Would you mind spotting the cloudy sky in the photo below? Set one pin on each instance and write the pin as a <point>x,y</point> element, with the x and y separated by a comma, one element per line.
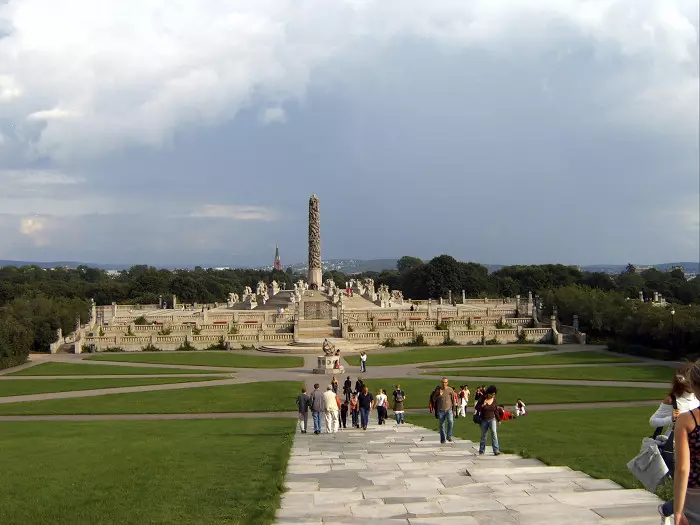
<point>175,132</point>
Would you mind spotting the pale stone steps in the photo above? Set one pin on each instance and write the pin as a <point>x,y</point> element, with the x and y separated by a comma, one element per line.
<point>401,474</point>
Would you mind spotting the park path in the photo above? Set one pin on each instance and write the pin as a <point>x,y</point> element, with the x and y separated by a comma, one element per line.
<point>401,475</point>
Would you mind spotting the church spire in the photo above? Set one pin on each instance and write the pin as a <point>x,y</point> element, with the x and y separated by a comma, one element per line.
<point>277,264</point>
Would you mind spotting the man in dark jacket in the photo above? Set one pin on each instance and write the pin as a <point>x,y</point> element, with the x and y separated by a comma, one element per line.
<point>347,389</point>
<point>303,402</point>
<point>317,408</point>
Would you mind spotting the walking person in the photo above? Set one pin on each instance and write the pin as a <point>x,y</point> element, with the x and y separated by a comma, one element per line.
<point>462,402</point>
<point>399,398</point>
<point>303,402</point>
<point>686,479</point>
<point>363,362</point>
<point>381,411</point>
<point>355,411</point>
<point>331,410</point>
<point>443,403</point>
<point>334,385</point>
<point>490,416</point>
<point>679,400</point>
<point>359,384</point>
<point>317,408</point>
<point>365,401</point>
<point>347,389</point>
<point>344,415</point>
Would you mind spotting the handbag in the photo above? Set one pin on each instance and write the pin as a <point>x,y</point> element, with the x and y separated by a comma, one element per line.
<point>648,466</point>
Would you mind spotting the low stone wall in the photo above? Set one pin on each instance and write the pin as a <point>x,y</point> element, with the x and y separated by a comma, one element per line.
<point>173,342</point>
<point>463,337</point>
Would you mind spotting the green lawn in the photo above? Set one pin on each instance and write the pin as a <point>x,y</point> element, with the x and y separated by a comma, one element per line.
<point>87,369</point>
<point>599,442</point>
<point>248,397</point>
<point>569,358</point>
<point>204,358</point>
<point>136,472</point>
<point>22,387</point>
<point>418,392</point>
<point>659,374</point>
<point>280,396</point>
<point>441,353</point>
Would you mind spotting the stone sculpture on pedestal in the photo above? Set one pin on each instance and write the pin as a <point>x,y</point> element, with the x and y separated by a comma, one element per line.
<point>315,276</point>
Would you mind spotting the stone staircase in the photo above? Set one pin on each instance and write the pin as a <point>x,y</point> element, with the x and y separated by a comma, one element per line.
<point>401,475</point>
<point>319,328</point>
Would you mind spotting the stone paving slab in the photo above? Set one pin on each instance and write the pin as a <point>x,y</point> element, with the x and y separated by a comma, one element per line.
<point>400,474</point>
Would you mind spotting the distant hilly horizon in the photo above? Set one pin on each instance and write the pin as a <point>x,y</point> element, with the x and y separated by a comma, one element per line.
<point>344,265</point>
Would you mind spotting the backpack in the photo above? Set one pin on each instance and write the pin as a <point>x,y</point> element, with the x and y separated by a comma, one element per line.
<point>398,397</point>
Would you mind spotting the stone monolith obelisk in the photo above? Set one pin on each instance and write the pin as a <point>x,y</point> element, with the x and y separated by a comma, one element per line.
<point>315,271</point>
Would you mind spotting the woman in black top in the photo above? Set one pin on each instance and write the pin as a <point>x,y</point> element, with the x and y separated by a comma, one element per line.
<point>487,410</point>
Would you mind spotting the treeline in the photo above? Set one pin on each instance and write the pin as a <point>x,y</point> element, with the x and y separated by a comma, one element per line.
<point>434,279</point>
<point>34,302</point>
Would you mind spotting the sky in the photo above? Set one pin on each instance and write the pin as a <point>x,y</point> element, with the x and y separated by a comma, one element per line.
<point>513,132</point>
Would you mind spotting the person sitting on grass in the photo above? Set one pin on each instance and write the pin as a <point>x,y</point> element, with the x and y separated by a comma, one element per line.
<point>520,408</point>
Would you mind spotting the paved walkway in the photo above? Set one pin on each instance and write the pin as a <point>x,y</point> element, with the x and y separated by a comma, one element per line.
<point>401,475</point>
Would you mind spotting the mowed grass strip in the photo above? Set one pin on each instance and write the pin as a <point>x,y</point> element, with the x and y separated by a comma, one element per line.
<point>204,358</point>
<point>280,395</point>
<point>652,374</point>
<point>21,387</point>
<point>248,397</point>
<point>128,472</point>
<point>568,358</point>
<point>418,392</point>
<point>441,353</point>
<point>86,369</point>
<point>598,442</point>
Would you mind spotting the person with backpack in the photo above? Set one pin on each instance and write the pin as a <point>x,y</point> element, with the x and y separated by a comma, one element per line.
<point>399,397</point>
<point>679,400</point>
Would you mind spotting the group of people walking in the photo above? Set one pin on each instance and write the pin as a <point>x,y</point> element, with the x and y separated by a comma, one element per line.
<point>329,412</point>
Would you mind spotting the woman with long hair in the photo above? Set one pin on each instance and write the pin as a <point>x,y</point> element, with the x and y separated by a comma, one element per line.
<point>489,415</point>
<point>681,395</point>
<point>686,482</point>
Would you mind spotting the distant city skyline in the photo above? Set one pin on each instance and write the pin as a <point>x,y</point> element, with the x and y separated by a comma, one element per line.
<point>510,132</point>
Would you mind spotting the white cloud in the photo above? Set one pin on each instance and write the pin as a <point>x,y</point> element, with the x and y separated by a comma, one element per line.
<point>51,114</point>
<point>234,212</point>
<point>31,177</point>
<point>272,115</point>
<point>133,72</point>
<point>31,226</point>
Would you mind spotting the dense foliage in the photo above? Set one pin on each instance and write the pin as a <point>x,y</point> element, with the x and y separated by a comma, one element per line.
<point>34,302</point>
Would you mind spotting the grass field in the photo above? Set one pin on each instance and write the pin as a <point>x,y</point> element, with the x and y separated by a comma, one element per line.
<point>86,369</point>
<point>280,396</point>
<point>203,358</point>
<point>418,392</point>
<point>658,374</point>
<point>249,397</point>
<point>442,353</point>
<point>599,442</point>
<point>569,358</point>
<point>22,387</point>
<point>117,473</point>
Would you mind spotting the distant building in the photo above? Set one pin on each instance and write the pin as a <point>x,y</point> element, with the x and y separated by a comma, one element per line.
<point>277,265</point>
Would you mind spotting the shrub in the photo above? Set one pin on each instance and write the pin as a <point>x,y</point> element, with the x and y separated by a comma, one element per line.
<point>233,330</point>
<point>389,343</point>
<point>441,326</point>
<point>196,331</point>
<point>449,342</point>
<point>101,332</point>
<point>12,360</point>
<point>419,340</point>
<point>221,345</point>
<point>351,329</point>
<point>186,347</point>
<point>165,331</point>
<point>247,347</point>
<point>141,320</point>
<point>491,342</point>
<point>500,325</point>
<point>129,332</point>
<point>522,339</point>
<point>112,349</point>
<point>151,348</point>
<point>638,350</point>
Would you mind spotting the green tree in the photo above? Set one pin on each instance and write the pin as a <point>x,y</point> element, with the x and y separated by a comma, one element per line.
<point>408,263</point>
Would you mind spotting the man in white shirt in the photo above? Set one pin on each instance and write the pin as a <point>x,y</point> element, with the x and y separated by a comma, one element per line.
<point>331,410</point>
<point>363,362</point>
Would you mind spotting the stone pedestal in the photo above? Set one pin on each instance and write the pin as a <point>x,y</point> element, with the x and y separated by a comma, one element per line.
<point>326,365</point>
